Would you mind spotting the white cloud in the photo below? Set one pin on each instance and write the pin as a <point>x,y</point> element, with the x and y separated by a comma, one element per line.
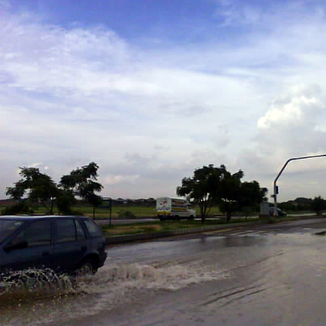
<point>116,179</point>
<point>299,109</point>
<point>150,116</point>
<point>287,130</point>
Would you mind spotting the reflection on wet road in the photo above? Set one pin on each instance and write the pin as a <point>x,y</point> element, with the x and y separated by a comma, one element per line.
<point>271,275</point>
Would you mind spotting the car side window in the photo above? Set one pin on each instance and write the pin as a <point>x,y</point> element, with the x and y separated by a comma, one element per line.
<point>80,231</point>
<point>66,230</point>
<point>36,234</point>
<point>93,230</point>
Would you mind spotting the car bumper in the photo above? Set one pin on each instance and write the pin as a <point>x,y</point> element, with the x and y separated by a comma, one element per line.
<point>102,259</point>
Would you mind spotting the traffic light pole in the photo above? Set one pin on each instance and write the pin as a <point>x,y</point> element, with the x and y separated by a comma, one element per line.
<point>279,174</point>
<point>110,216</point>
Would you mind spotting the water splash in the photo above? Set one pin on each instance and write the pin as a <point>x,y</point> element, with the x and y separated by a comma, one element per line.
<point>60,297</point>
<point>32,284</point>
<point>167,277</point>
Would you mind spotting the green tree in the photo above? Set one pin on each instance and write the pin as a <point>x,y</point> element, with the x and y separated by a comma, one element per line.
<point>65,200</point>
<point>39,188</point>
<point>251,195</point>
<point>239,196</point>
<point>318,204</point>
<point>230,194</point>
<point>203,188</point>
<point>82,182</point>
<point>215,185</point>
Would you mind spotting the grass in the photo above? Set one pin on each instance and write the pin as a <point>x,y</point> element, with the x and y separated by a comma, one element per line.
<point>138,211</point>
<point>152,227</point>
<point>104,212</point>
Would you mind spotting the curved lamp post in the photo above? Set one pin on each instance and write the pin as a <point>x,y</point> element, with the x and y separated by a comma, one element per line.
<point>279,174</point>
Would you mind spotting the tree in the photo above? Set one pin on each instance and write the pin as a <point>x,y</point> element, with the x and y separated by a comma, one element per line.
<point>82,182</point>
<point>238,196</point>
<point>230,193</point>
<point>203,188</point>
<point>251,195</point>
<point>65,199</point>
<point>39,187</point>
<point>318,204</point>
<point>215,185</point>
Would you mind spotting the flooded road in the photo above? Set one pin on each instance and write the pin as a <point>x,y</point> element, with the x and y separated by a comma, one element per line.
<point>271,275</point>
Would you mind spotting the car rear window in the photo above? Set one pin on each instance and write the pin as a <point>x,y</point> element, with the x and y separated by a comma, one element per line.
<point>79,231</point>
<point>7,227</point>
<point>93,229</point>
<point>69,230</point>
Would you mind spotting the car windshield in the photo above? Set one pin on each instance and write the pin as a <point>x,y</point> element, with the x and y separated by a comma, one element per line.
<point>7,227</point>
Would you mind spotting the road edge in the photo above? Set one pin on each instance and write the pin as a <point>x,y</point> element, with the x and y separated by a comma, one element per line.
<point>157,235</point>
<point>128,238</point>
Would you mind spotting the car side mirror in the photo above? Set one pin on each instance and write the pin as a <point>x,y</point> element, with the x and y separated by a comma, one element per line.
<point>14,246</point>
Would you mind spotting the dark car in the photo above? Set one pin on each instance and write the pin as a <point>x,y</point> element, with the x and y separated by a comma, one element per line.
<point>66,244</point>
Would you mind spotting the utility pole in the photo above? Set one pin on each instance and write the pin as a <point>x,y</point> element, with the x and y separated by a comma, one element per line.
<point>110,216</point>
<point>275,187</point>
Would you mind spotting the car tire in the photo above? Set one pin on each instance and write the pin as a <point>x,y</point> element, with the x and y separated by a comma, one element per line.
<point>86,268</point>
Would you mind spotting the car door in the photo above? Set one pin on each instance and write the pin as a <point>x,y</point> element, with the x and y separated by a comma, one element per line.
<point>96,236</point>
<point>70,245</point>
<point>37,248</point>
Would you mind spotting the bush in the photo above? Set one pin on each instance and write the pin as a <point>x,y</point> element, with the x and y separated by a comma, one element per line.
<point>19,208</point>
<point>318,205</point>
<point>126,214</point>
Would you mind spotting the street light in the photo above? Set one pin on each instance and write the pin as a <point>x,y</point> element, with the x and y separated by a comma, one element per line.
<point>279,174</point>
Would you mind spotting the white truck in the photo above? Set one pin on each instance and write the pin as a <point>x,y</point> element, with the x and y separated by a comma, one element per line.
<point>168,208</point>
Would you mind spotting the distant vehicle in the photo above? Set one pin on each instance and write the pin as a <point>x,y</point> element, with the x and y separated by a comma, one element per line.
<point>279,212</point>
<point>168,208</point>
<point>67,244</point>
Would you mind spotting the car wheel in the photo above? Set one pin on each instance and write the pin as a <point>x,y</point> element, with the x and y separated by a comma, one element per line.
<point>87,267</point>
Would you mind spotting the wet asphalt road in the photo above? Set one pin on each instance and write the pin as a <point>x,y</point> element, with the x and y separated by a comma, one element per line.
<point>267,275</point>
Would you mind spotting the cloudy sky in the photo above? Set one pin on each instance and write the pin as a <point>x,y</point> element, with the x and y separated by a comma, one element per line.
<point>152,89</point>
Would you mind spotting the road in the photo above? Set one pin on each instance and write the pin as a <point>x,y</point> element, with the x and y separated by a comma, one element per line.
<point>267,275</point>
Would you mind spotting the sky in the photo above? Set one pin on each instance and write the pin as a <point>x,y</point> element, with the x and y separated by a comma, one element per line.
<point>151,90</point>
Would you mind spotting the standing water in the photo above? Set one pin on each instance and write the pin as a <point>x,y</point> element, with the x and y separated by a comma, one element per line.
<point>207,278</point>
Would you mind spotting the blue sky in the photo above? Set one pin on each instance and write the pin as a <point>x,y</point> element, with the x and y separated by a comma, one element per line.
<point>151,90</point>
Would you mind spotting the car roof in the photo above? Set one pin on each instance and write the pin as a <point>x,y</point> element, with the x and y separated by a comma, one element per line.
<point>32,217</point>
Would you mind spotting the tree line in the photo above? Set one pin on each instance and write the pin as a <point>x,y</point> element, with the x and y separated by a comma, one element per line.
<point>212,185</point>
<point>317,204</point>
<point>209,186</point>
<point>38,189</point>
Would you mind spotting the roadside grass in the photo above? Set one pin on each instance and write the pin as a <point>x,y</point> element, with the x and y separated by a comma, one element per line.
<point>101,212</point>
<point>138,211</point>
<point>152,227</point>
